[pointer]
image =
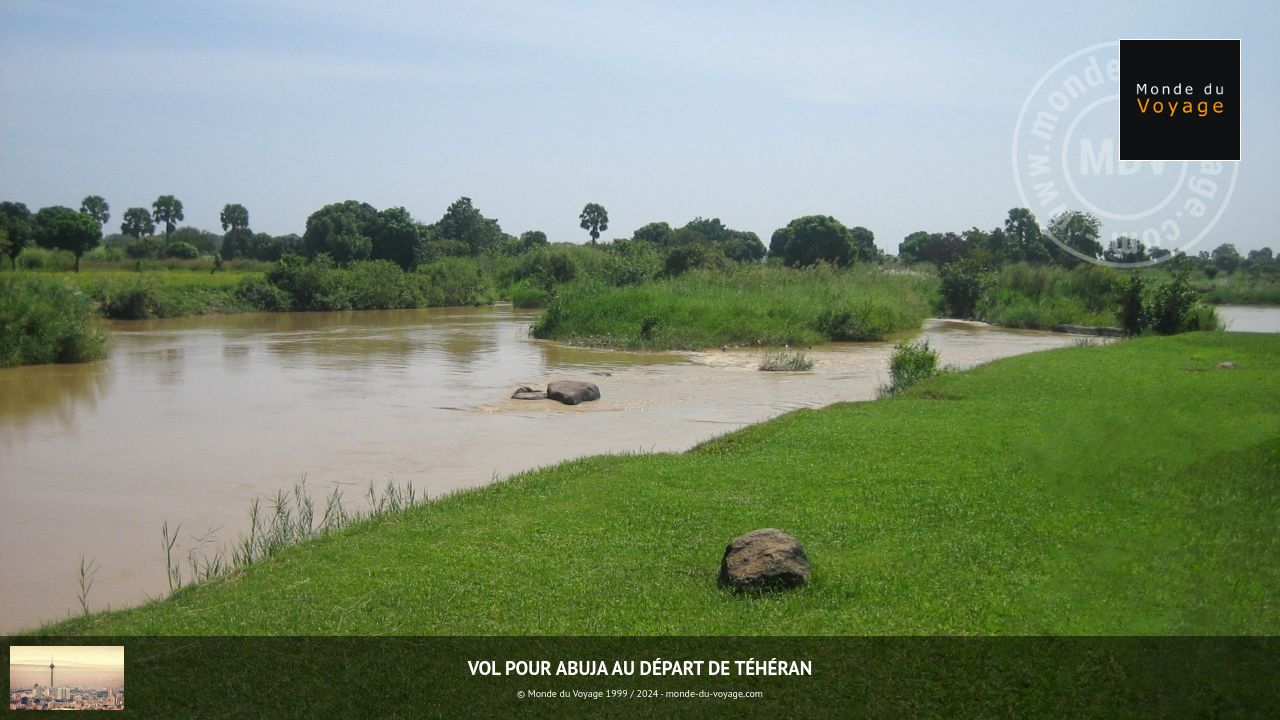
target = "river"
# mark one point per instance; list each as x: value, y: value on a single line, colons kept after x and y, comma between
x: 188, y: 420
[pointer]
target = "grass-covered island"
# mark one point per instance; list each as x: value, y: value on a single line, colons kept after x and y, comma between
x: 1125, y: 489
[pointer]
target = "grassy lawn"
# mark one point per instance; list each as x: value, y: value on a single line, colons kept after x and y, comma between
x: 1128, y: 489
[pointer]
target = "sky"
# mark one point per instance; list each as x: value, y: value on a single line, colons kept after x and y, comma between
x: 895, y: 116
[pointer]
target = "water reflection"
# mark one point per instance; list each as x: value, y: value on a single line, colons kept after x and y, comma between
x: 31, y: 396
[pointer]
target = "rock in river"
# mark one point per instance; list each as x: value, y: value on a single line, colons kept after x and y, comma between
x: 572, y: 392
x: 528, y: 393
x: 766, y: 559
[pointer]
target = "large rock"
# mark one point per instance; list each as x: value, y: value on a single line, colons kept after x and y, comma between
x: 528, y: 393
x: 766, y: 559
x: 572, y: 392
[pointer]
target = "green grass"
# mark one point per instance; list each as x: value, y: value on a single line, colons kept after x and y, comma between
x: 1124, y: 489
x: 1041, y: 297
x: 750, y: 305
x: 162, y: 293
x: 46, y: 321
x: 1242, y: 289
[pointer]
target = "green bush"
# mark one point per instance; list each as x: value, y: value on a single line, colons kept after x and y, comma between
x: 257, y: 293
x: 963, y: 284
x: 529, y: 294
x: 911, y: 363
x: 310, y: 284
x: 381, y: 284
x: 1174, y: 306
x: 1133, y: 316
x: 856, y: 322
x: 46, y: 321
x: 456, y: 281
x: 135, y: 298
x: 179, y: 249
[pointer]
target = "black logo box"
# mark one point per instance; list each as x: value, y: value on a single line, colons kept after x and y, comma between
x: 1186, y: 68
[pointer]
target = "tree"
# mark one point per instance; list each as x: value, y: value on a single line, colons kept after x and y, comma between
x: 396, y: 237
x: 657, y: 234
x: 738, y: 245
x: 1227, y: 258
x: 937, y: 248
x: 864, y: 244
x: 137, y: 223
x: 1261, y: 255
x: 594, y: 219
x: 235, y: 223
x: 809, y: 239
x: 167, y: 209
x: 65, y: 229
x: 97, y: 208
x: 16, y: 231
x: 341, y: 231
x: 464, y: 223
x: 1023, y: 239
x: 530, y: 239
x: 1078, y: 231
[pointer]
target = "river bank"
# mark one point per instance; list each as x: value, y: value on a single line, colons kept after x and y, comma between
x: 419, y: 396
x: 977, y: 503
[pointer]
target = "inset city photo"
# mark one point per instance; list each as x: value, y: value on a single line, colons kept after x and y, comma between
x: 66, y: 677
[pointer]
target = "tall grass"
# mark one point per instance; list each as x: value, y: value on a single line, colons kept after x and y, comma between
x: 1043, y: 296
x: 44, y: 320
x: 750, y: 305
x: 282, y: 521
x: 1244, y: 289
x: 786, y: 361
x: 911, y: 362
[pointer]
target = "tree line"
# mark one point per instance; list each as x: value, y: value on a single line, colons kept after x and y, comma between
x: 352, y: 230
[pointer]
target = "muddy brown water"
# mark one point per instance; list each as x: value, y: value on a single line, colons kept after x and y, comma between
x: 1250, y: 318
x: 189, y: 420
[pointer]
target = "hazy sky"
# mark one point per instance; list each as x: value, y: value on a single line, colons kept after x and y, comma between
x: 895, y: 116
x: 68, y: 656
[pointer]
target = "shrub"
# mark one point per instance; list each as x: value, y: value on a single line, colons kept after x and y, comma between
x: 456, y: 281
x: 179, y: 249
x: 381, y: 284
x: 529, y: 294
x: 255, y: 293
x: 963, y: 284
x: 1133, y: 316
x: 46, y: 321
x: 310, y: 284
x: 1172, y: 308
x: 136, y: 297
x: 867, y: 320
x: 911, y: 363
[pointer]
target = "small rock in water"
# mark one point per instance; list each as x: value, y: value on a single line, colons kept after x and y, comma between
x: 528, y: 393
x: 602, y: 373
x: 572, y: 392
x: 1228, y: 365
x: 766, y: 559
